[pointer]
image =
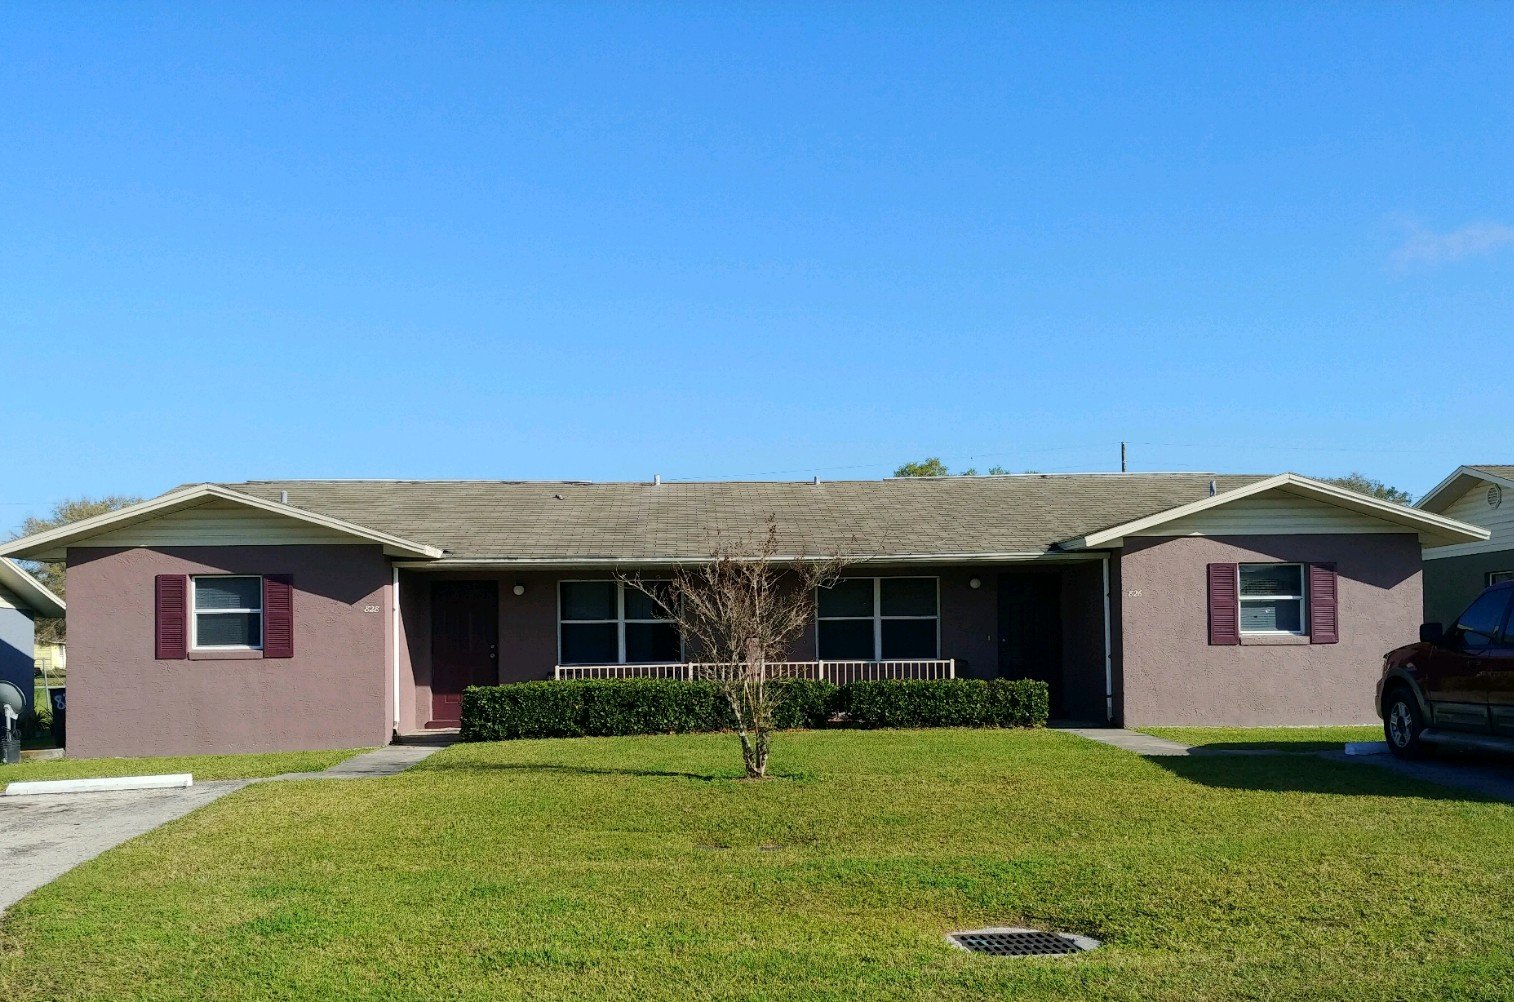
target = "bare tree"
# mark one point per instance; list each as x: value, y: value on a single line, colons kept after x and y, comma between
x: 739, y: 612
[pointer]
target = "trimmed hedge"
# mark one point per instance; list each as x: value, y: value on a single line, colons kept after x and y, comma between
x: 614, y: 708
x: 962, y: 702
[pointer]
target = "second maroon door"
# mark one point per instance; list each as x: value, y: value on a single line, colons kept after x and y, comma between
x: 464, y: 643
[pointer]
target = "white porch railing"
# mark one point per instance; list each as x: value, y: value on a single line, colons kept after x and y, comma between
x: 839, y: 672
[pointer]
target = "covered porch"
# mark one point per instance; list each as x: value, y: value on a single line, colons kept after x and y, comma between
x: 1045, y: 618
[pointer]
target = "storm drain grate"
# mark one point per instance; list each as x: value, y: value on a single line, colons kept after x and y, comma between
x: 1020, y: 942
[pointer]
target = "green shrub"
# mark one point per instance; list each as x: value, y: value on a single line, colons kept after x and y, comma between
x: 36, y: 723
x: 805, y: 703
x: 523, y: 710
x: 614, y: 708
x: 652, y: 706
x: 947, y: 703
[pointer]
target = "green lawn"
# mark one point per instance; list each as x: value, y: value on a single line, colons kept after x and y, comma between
x: 1295, y: 739
x: 640, y: 869
x: 202, y: 766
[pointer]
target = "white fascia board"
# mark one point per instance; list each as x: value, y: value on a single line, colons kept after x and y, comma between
x: 1432, y: 528
x: 28, y: 589
x: 1457, y: 484
x: 40, y: 543
x: 629, y: 563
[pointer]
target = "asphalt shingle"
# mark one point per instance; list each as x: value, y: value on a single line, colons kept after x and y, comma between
x: 568, y: 520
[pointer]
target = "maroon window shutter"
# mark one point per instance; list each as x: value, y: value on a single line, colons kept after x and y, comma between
x: 278, y: 616
x: 1324, y: 605
x: 1224, y: 605
x: 171, y: 617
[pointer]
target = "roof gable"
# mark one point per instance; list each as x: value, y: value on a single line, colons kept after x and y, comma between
x: 53, y: 544
x: 1432, y: 529
x: 585, y: 524
x: 1463, y: 479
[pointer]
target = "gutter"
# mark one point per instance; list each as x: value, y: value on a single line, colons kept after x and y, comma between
x: 611, y: 563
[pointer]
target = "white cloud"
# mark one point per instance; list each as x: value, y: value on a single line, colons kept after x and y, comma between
x: 1424, y: 246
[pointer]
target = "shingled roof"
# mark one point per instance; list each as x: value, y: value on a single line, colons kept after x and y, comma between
x: 1507, y: 472
x: 499, y: 520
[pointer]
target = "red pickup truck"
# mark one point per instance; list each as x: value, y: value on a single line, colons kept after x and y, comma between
x: 1456, y: 685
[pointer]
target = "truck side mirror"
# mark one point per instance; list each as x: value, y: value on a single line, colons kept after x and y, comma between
x: 1431, y: 633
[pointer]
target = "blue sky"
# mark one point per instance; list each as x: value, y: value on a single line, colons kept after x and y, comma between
x: 603, y: 242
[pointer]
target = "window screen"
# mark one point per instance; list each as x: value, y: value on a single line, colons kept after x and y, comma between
x: 1272, y: 598
x: 228, y: 612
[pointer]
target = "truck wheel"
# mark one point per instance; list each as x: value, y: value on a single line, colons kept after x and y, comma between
x: 1403, y: 723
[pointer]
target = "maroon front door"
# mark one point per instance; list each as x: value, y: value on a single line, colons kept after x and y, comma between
x: 464, y: 644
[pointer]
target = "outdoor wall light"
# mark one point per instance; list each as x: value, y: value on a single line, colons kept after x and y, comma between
x: 975, y: 583
x: 519, y: 589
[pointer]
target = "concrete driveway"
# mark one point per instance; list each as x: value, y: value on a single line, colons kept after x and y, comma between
x: 1485, y: 774
x: 45, y: 837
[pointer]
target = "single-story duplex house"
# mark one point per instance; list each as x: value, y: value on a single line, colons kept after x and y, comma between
x: 303, y: 614
x: 22, y: 600
x: 1456, y: 573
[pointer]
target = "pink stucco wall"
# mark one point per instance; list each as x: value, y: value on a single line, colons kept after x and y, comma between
x: 333, y: 693
x: 1171, y: 675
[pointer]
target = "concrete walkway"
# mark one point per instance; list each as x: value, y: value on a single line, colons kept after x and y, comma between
x: 1131, y: 741
x: 370, y: 765
x: 43, y: 837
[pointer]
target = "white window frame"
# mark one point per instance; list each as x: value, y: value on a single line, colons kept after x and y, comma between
x: 878, y: 617
x: 1498, y: 577
x: 1302, y: 598
x: 620, y: 620
x: 195, y: 612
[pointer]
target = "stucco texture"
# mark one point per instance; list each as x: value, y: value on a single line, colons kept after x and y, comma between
x: 1171, y: 674
x: 332, y: 694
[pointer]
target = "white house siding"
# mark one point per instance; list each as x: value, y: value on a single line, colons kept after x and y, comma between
x: 1273, y: 516
x: 220, y: 523
x: 1473, y: 507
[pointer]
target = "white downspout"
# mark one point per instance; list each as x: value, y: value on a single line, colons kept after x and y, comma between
x: 394, y: 643
x: 1108, y: 649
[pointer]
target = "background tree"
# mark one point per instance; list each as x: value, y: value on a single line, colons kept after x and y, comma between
x: 739, y: 613
x: 933, y: 467
x: 52, y: 573
x: 1364, y: 484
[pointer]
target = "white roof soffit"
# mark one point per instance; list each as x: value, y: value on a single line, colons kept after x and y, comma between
x: 29, y: 590
x: 1464, y: 479
x: 1434, y: 530
x: 52, y: 544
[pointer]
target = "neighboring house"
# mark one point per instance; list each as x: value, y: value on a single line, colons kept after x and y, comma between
x: 22, y: 599
x: 51, y: 657
x: 1456, y: 573
x: 303, y: 614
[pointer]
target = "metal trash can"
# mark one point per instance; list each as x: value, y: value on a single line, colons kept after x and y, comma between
x: 59, y: 705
